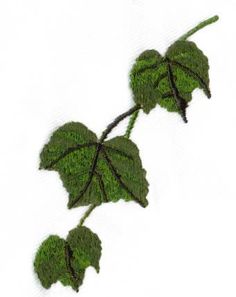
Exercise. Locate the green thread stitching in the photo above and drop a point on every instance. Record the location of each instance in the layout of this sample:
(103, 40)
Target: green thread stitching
(199, 27)
(131, 124)
(82, 248)
(87, 214)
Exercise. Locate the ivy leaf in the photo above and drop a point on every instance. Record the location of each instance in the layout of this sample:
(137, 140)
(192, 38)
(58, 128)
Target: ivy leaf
(170, 80)
(86, 247)
(52, 264)
(66, 261)
(94, 172)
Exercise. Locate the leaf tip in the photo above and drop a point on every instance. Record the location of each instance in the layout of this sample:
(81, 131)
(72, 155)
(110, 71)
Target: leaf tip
(43, 166)
(144, 203)
(70, 205)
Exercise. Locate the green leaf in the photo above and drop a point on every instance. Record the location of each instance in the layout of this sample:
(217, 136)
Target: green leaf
(86, 247)
(52, 264)
(94, 172)
(68, 139)
(66, 261)
(170, 80)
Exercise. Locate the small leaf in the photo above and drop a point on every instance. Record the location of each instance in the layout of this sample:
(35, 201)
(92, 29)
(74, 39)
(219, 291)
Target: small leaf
(66, 261)
(94, 172)
(52, 264)
(170, 80)
(86, 247)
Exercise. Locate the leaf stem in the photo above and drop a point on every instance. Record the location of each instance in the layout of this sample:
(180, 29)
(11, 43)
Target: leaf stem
(131, 124)
(87, 213)
(199, 27)
(117, 121)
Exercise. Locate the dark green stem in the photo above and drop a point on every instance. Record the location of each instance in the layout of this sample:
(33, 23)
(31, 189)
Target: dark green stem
(117, 121)
(131, 124)
(199, 27)
(87, 213)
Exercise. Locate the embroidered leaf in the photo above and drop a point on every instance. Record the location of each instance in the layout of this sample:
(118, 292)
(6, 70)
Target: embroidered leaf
(66, 261)
(86, 247)
(52, 264)
(94, 172)
(170, 80)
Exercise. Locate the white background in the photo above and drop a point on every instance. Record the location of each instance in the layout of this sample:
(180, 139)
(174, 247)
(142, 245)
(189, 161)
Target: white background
(69, 60)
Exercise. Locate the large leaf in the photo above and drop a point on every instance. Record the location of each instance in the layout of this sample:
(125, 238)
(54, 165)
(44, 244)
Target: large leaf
(170, 80)
(94, 172)
(66, 261)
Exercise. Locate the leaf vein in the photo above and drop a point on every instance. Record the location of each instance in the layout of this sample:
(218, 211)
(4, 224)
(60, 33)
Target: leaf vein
(160, 78)
(150, 67)
(101, 185)
(119, 152)
(92, 170)
(180, 102)
(118, 178)
(69, 151)
(71, 271)
(194, 75)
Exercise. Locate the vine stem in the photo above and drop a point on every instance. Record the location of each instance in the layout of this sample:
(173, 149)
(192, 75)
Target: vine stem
(86, 214)
(120, 118)
(199, 27)
(131, 124)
